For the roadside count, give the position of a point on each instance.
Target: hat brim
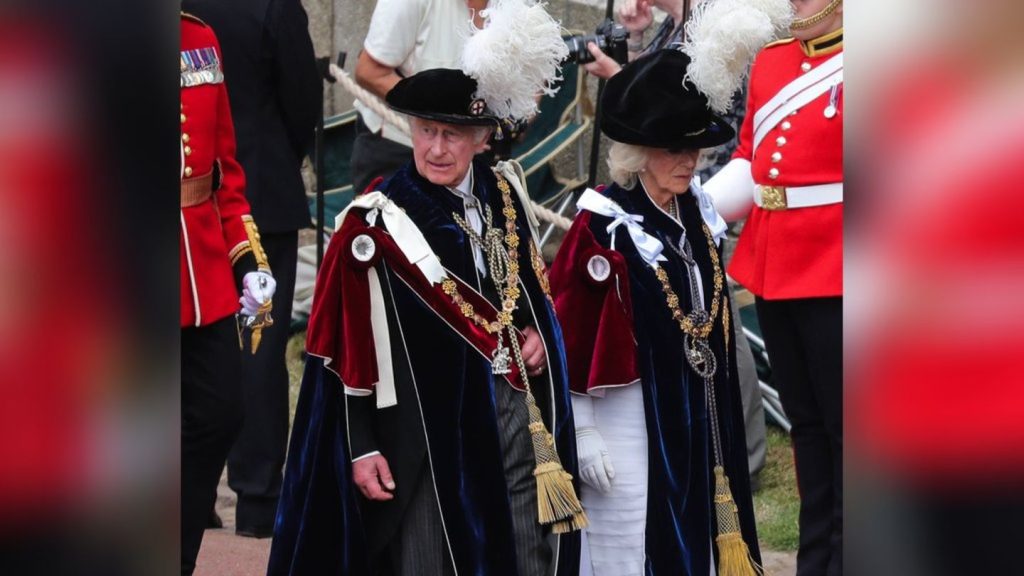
(716, 133)
(462, 120)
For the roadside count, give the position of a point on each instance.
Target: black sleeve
(245, 264)
(299, 85)
(360, 424)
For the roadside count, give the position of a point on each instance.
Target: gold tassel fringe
(734, 557)
(557, 503)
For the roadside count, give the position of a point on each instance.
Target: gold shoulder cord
(557, 503)
(262, 319)
(253, 233)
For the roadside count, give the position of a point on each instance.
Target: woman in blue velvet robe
(646, 425)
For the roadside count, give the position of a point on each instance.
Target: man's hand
(257, 289)
(636, 15)
(373, 477)
(534, 355)
(603, 65)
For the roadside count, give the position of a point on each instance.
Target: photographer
(405, 37)
(636, 17)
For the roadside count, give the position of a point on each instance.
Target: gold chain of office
(557, 503)
(509, 276)
(686, 322)
(805, 23)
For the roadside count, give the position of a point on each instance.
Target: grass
(296, 362)
(776, 505)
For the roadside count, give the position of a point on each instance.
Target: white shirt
(412, 36)
(471, 207)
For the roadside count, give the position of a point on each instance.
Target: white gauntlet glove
(595, 463)
(257, 288)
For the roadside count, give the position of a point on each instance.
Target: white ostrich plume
(515, 57)
(722, 38)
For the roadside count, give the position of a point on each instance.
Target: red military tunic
(219, 241)
(796, 252)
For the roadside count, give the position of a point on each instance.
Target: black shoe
(255, 531)
(254, 517)
(214, 521)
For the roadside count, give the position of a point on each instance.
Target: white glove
(595, 463)
(257, 288)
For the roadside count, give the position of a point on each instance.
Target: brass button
(185, 138)
(776, 156)
(188, 171)
(182, 118)
(780, 141)
(786, 125)
(806, 66)
(773, 173)
(188, 150)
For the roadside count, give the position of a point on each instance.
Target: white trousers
(615, 537)
(613, 544)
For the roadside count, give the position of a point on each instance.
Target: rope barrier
(548, 215)
(391, 117)
(369, 99)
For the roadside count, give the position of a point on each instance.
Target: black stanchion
(595, 142)
(318, 157)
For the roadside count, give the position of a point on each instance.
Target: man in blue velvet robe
(411, 453)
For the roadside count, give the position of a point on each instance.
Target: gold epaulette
(779, 42)
(194, 18)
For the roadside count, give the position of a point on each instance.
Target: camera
(610, 37)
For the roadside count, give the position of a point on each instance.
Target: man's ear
(483, 137)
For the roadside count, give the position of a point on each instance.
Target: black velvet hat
(647, 104)
(440, 94)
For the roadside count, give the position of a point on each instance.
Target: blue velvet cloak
(320, 525)
(680, 509)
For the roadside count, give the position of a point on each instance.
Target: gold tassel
(257, 323)
(734, 557)
(557, 503)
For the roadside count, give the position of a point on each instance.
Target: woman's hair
(625, 161)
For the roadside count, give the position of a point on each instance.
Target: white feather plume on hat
(722, 38)
(515, 57)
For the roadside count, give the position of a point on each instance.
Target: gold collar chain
(686, 322)
(557, 503)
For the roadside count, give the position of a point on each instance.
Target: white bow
(711, 216)
(415, 248)
(404, 231)
(648, 246)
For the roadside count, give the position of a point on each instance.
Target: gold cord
(810, 21)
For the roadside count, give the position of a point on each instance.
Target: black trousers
(373, 156)
(804, 338)
(211, 415)
(256, 460)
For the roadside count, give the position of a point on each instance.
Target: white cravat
(471, 207)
